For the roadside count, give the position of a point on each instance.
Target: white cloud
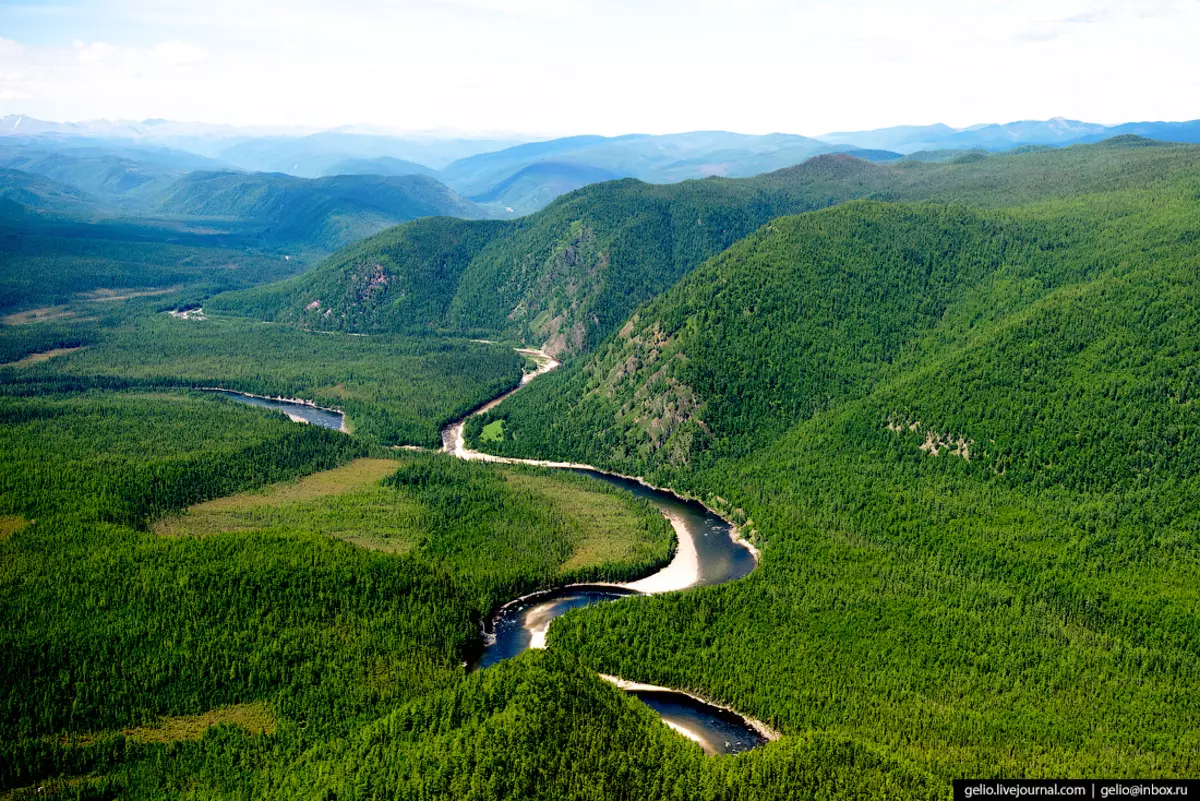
(520, 8)
(585, 66)
(177, 53)
(95, 53)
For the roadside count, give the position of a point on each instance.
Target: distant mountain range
(380, 165)
(1057, 132)
(579, 160)
(131, 160)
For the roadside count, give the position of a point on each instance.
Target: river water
(313, 415)
(716, 730)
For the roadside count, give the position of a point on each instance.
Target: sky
(558, 67)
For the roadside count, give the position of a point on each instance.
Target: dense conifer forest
(950, 401)
(109, 626)
(966, 442)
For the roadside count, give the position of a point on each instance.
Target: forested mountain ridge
(60, 245)
(965, 439)
(403, 279)
(328, 212)
(568, 276)
(802, 315)
(107, 176)
(860, 294)
(82, 219)
(562, 278)
(108, 173)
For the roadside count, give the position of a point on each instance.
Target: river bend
(708, 551)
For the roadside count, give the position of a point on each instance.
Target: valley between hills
(933, 421)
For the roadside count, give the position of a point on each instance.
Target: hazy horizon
(372, 129)
(542, 69)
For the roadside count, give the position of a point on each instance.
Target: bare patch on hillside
(664, 406)
(661, 405)
(558, 305)
(935, 443)
(338, 389)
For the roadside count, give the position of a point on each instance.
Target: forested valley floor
(952, 404)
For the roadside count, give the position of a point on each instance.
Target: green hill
(325, 212)
(815, 310)
(22, 193)
(403, 279)
(111, 177)
(563, 278)
(212, 232)
(568, 276)
(965, 439)
(59, 244)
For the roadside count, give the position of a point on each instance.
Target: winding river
(708, 552)
(297, 411)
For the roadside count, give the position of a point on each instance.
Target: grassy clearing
(605, 528)
(347, 503)
(39, 315)
(11, 524)
(359, 474)
(103, 295)
(255, 717)
(351, 503)
(44, 356)
(493, 432)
